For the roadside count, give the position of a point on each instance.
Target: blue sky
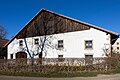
(14, 14)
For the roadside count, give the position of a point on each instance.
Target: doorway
(21, 58)
(21, 55)
(88, 59)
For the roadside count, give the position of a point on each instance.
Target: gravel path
(99, 77)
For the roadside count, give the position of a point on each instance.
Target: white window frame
(88, 44)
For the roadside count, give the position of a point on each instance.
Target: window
(117, 48)
(117, 43)
(11, 56)
(111, 48)
(88, 44)
(88, 59)
(60, 58)
(60, 43)
(36, 41)
(21, 43)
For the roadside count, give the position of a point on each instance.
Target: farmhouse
(52, 35)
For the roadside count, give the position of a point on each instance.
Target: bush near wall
(69, 65)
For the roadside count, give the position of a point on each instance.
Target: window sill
(60, 48)
(88, 49)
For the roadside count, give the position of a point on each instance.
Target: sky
(14, 14)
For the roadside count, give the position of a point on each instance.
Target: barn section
(48, 23)
(3, 50)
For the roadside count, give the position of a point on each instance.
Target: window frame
(11, 56)
(88, 59)
(118, 48)
(117, 43)
(88, 44)
(20, 42)
(36, 41)
(60, 58)
(60, 44)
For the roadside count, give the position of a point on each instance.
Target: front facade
(58, 36)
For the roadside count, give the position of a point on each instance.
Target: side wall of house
(73, 45)
(116, 46)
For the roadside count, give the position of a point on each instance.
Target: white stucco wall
(74, 46)
(116, 46)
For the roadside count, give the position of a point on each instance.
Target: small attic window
(21, 43)
(117, 43)
(106, 33)
(88, 44)
(36, 41)
(60, 43)
(117, 48)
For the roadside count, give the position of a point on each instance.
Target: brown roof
(3, 42)
(90, 25)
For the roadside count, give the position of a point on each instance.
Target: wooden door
(20, 55)
(88, 59)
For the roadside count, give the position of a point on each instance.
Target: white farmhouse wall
(74, 46)
(116, 46)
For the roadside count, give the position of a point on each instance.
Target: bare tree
(112, 58)
(3, 35)
(3, 32)
(45, 28)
